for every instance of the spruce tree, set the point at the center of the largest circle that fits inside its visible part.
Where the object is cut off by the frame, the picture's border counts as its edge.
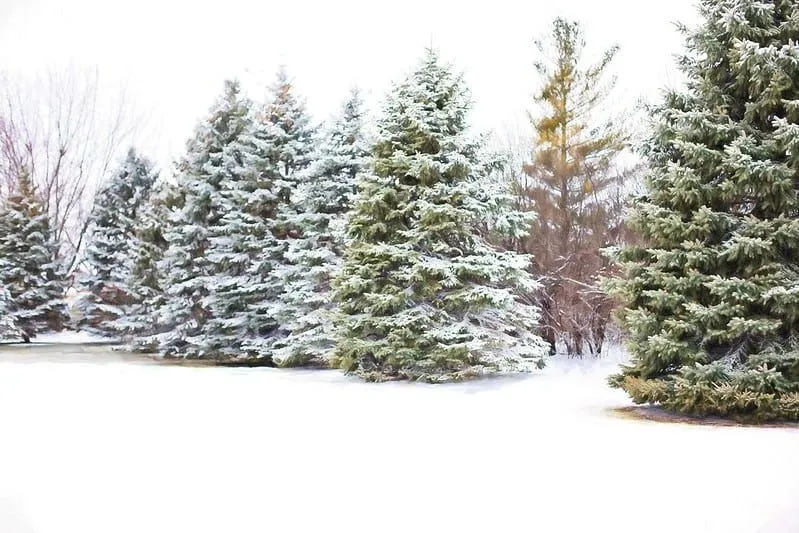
(213, 155)
(110, 245)
(240, 247)
(8, 326)
(710, 300)
(251, 241)
(143, 284)
(31, 273)
(322, 199)
(422, 295)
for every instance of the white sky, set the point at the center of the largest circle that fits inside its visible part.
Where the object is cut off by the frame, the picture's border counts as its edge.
(172, 55)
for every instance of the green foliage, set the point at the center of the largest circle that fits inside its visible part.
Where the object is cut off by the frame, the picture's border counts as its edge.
(145, 279)
(8, 326)
(421, 294)
(213, 157)
(756, 394)
(111, 244)
(250, 245)
(322, 200)
(709, 300)
(29, 268)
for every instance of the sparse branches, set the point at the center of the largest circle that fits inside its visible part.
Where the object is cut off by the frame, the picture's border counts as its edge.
(61, 130)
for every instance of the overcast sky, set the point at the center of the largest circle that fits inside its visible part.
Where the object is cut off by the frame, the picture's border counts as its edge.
(172, 55)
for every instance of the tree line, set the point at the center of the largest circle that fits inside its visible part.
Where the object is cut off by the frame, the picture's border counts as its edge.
(411, 251)
(268, 230)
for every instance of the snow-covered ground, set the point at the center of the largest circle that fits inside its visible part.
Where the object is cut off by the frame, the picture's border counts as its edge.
(68, 337)
(138, 448)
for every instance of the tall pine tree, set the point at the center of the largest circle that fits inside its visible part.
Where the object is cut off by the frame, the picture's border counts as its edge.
(422, 295)
(213, 156)
(31, 272)
(313, 258)
(251, 242)
(711, 304)
(144, 283)
(110, 246)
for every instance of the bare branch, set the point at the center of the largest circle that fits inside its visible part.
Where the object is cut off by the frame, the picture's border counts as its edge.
(59, 127)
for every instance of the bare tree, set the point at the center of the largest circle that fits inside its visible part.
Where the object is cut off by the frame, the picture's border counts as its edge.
(57, 127)
(574, 183)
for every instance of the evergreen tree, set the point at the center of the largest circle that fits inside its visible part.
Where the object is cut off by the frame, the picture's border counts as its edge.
(711, 304)
(213, 156)
(422, 295)
(143, 283)
(251, 241)
(109, 249)
(241, 246)
(323, 198)
(31, 273)
(8, 326)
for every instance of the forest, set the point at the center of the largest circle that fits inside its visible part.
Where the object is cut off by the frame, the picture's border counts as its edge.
(407, 246)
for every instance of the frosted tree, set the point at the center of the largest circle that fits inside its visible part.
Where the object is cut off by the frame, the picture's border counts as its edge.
(212, 156)
(711, 300)
(110, 245)
(31, 273)
(240, 248)
(251, 241)
(143, 283)
(315, 255)
(8, 326)
(421, 294)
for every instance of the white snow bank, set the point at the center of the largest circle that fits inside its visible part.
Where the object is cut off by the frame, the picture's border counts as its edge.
(607, 364)
(69, 337)
(94, 448)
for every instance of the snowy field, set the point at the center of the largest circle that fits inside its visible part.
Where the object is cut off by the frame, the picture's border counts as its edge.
(95, 443)
(68, 337)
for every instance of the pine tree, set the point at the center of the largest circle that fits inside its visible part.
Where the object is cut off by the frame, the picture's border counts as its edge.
(110, 245)
(422, 295)
(8, 326)
(143, 283)
(251, 241)
(240, 244)
(323, 199)
(711, 304)
(212, 157)
(31, 272)
(569, 184)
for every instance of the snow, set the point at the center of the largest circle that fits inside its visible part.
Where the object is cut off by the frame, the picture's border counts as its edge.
(69, 337)
(130, 448)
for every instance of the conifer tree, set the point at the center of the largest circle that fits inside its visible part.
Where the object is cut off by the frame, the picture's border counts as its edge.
(422, 295)
(31, 272)
(251, 241)
(143, 284)
(323, 198)
(711, 305)
(110, 246)
(213, 155)
(240, 247)
(8, 326)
